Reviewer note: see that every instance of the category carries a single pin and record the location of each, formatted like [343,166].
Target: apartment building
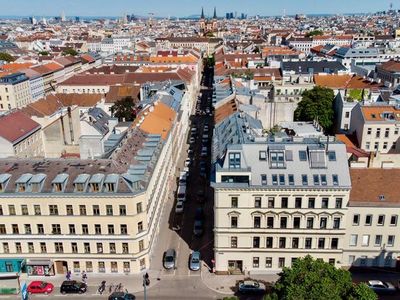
[15,91]
[377,127]
[372,238]
[277,199]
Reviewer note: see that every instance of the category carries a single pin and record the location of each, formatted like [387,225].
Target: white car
[188,162]
[179,207]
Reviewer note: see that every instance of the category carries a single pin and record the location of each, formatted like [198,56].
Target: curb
[213,289]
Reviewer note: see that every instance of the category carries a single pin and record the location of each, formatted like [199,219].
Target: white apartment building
[15,91]
[377,127]
[277,200]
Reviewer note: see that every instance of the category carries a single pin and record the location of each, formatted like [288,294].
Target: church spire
[215,13]
[202,13]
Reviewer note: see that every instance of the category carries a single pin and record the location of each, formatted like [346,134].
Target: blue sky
[187,7]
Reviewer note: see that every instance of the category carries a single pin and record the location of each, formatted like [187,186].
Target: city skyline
[186,8]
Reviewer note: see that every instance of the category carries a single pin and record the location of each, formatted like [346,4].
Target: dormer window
[96,182]
[317,159]
[59,183]
[36,183]
[4,179]
[277,159]
[234,160]
[80,183]
[22,183]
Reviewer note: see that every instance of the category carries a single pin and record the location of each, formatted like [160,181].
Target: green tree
[317,104]
[43,53]
[124,109]
[6,57]
[310,279]
[314,33]
[70,51]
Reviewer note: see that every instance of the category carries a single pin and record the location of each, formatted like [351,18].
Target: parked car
[169,259]
[194,262]
[121,296]
[192,140]
[381,287]
[73,287]
[251,287]
[40,287]
[188,162]
[203,152]
[199,214]
[198,227]
[179,207]
[182,178]
[200,195]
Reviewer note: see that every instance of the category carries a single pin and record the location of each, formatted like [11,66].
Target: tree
[314,33]
[6,57]
[317,104]
[45,53]
[70,51]
[310,279]
[124,109]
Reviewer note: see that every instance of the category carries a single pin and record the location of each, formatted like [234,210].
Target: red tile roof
[17,125]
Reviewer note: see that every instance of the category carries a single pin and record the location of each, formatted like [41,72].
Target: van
[181,195]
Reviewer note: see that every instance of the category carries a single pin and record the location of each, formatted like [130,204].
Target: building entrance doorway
[235,266]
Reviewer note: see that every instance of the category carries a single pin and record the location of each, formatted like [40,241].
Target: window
[284,202]
[271,202]
[322,222]
[28,229]
[89,266]
[6,248]
[124,229]
[256,262]
[234,202]
[18,247]
[11,210]
[282,242]
[15,229]
[262,155]
[304,179]
[234,242]
[234,160]
[338,203]
[323,179]
[110,229]
[365,240]
[390,241]
[55,229]
[308,243]
[72,229]
[257,202]
[82,210]
[85,229]
[378,133]
[321,243]
[347,115]
[302,155]
[369,131]
[74,247]
[368,220]
[281,179]
[295,243]
[376,146]
[393,220]
[297,202]
[36,209]
[257,222]
[332,155]
[310,222]
[263,179]
[356,219]
[281,262]
[291,179]
[97,228]
[268,262]
[316,179]
[76,266]
[381,220]
[125,247]
[96,210]
[311,203]
[3,229]
[336,223]
[24,210]
[325,203]
[335,179]
[277,159]
[234,222]
[378,240]
[109,210]
[296,222]
[283,222]
[270,222]
[112,248]
[140,226]
[59,248]
[99,247]
[334,243]
[122,209]
[53,209]
[274,179]
[70,210]
[256,242]
[269,242]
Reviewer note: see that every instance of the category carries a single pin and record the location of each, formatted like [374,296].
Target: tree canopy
[70,51]
[43,53]
[6,57]
[317,104]
[310,279]
[124,109]
[314,33]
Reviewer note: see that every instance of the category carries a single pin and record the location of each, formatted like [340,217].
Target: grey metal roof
[111,178]
[97,178]
[81,178]
[37,178]
[4,177]
[60,178]
[307,67]
[24,178]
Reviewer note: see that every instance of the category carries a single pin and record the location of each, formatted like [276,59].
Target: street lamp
[146,282]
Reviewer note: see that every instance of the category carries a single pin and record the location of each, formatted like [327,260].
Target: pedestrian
[84,276]
[68,276]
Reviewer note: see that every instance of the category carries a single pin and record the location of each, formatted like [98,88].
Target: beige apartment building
[15,91]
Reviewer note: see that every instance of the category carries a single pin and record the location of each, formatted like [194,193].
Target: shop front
[11,265]
[39,267]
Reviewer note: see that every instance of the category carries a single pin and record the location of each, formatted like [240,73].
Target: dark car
[121,296]
[251,287]
[198,228]
[73,287]
[199,214]
[381,287]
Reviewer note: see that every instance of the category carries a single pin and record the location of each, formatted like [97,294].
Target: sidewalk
[131,282]
[227,284]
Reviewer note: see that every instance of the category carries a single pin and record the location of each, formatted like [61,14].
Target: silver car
[194,263]
[169,259]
